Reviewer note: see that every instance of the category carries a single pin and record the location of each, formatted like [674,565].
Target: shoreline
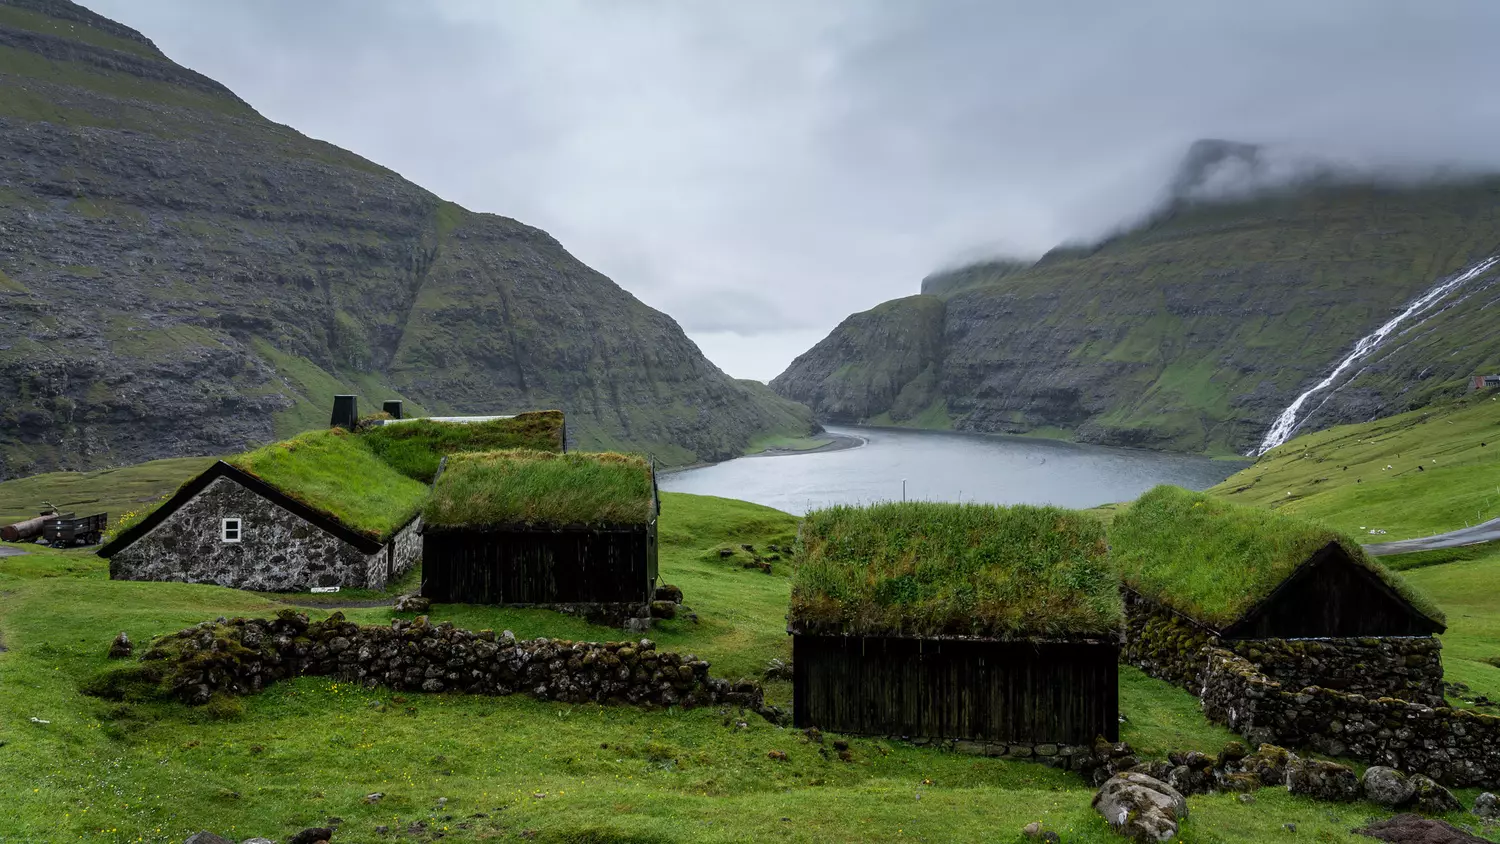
[838,442]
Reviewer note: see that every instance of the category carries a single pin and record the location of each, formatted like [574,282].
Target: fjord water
[940,466]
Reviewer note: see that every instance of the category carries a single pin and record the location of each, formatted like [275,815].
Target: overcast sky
[760,170]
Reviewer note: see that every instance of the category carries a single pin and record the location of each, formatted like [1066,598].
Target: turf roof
[332,472]
[1214,561]
[929,569]
[416,447]
[530,487]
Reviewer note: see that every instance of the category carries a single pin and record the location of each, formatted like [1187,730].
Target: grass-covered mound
[917,568]
[334,473]
[416,447]
[1213,560]
[525,487]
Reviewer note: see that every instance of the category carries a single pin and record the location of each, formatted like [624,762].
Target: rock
[121,647]
[726,552]
[1140,807]
[1190,781]
[1487,806]
[412,603]
[1035,830]
[777,755]
[1433,798]
[312,835]
[1387,786]
[1414,829]
[374,797]
[257,841]
[1322,780]
[667,592]
[663,609]
[1268,762]
[207,838]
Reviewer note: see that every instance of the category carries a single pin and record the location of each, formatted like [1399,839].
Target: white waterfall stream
[1286,424]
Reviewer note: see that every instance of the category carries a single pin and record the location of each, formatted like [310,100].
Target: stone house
[231,528]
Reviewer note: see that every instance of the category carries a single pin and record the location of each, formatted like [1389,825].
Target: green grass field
[304,751]
[112,491]
[1415,474]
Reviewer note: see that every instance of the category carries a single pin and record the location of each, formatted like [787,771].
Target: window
[231,530]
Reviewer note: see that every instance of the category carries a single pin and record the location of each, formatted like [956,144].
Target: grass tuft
[920,568]
[541,487]
[1214,560]
[416,447]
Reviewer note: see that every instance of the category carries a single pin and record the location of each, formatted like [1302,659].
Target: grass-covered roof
[416,446]
[526,487]
[1213,561]
[928,569]
[334,473]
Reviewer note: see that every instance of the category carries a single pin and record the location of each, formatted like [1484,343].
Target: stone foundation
[1453,746]
[243,656]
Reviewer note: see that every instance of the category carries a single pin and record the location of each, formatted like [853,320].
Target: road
[1486,532]
[10,551]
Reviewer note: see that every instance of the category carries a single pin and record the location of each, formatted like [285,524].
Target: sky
[761,170]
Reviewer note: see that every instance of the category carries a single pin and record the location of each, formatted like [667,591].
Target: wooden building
[536,528]
[948,621]
[1200,571]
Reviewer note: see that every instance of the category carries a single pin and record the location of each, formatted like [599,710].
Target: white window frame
[224,529]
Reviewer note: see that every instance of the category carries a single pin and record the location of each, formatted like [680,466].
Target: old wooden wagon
[67,531]
[526,527]
[956,622]
[1304,601]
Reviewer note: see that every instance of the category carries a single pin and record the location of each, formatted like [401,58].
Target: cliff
[179,275]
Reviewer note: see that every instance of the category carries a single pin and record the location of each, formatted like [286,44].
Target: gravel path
[11,551]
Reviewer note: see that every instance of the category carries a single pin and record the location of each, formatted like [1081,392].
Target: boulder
[1387,786]
[1141,808]
[1433,798]
[312,835]
[1415,829]
[663,609]
[207,838]
[668,592]
[121,647]
[412,603]
[1268,762]
[1322,780]
[1487,806]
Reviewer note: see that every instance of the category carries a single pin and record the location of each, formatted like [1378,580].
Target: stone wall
[278,551]
[1169,647]
[242,656]
[1453,746]
[396,558]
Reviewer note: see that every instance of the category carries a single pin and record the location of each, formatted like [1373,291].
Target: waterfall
[1286,424]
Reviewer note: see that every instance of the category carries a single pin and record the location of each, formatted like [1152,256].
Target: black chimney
[345,412]
[392,407]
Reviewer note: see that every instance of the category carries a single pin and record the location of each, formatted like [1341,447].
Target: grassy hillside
[1190,332]
[112,491]
[509,768]
[225,276]
[1413,474]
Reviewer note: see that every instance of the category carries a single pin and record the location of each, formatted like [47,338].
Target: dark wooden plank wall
[1067,693]
[539,566]
[1332,596]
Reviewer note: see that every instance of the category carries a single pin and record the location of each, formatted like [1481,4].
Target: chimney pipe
[345,412]
[392,407]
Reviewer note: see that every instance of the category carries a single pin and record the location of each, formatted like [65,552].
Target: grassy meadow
[1414,474]
[541,487]
[516,768]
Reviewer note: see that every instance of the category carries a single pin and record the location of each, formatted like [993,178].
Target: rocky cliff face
[179,275]
[1191,332]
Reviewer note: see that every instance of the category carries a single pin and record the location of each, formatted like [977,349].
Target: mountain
[179,275]
[1193,330]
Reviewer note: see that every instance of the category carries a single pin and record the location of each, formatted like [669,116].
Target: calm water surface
[940,466]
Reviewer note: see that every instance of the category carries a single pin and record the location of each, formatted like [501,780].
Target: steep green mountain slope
[179,275]
[1190,332]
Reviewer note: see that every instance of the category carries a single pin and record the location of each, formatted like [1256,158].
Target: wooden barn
[950,621]
[318,510]
[527,527]
[1198,570]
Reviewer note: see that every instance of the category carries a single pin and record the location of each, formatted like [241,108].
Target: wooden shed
[952,621]
[527,527]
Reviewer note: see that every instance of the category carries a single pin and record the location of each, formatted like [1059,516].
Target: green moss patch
[541,488]
[923,569]
[1213,560]
[416,447]
[334,473]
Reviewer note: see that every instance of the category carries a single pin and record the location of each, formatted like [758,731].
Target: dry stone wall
[242,656]
[397,557]
[1169,647]
[1453,746]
